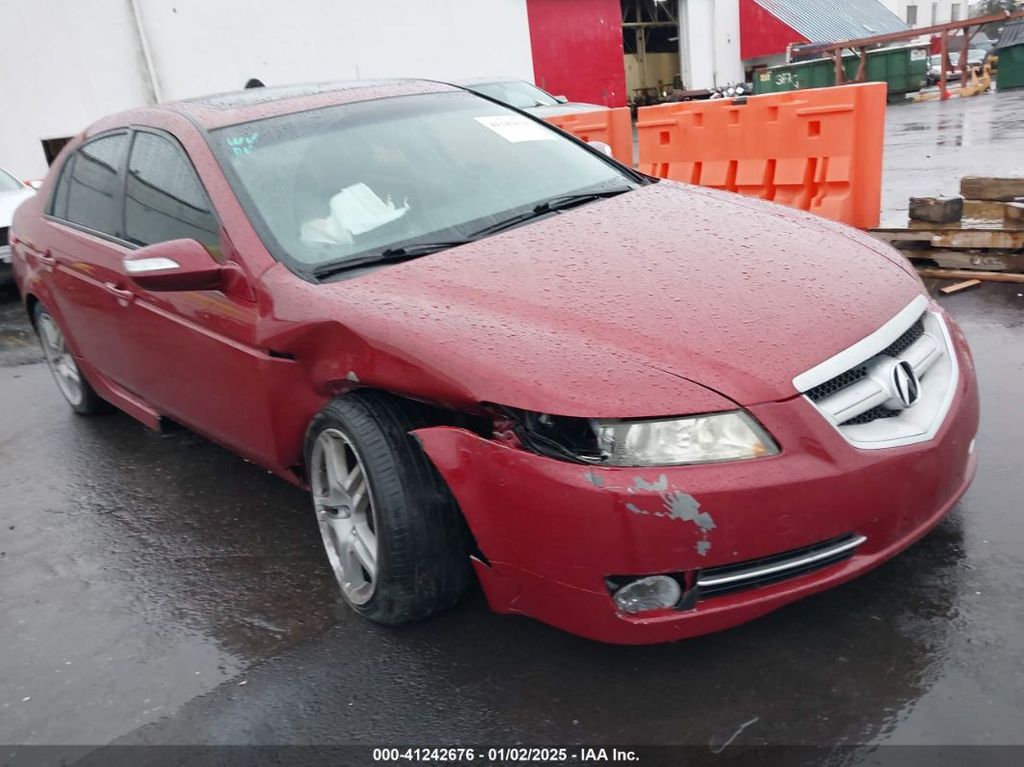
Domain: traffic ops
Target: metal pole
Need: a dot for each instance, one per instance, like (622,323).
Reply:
(714,47)
(943,63)
(862,66)
(682,13)
(147,58)
(685,69)
(837,61)
(963,58)
(641,47)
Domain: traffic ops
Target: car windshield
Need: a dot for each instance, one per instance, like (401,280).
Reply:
(517,93)
(9,183)
(349,181)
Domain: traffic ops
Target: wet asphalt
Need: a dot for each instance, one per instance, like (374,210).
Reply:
(156,589)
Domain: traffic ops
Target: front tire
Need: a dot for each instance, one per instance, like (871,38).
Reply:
(72,384)
(394,537)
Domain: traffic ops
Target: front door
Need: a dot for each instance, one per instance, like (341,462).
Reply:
(195,358)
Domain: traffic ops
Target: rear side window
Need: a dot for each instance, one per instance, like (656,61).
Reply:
(164,198)
(92,195)
(59,206)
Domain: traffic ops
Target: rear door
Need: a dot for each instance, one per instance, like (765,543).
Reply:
(194,352)
(83,250)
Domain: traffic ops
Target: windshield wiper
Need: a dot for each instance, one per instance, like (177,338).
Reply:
(560,202)
(563,201)
(387,256)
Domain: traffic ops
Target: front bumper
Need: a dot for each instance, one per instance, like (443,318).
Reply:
(551,532)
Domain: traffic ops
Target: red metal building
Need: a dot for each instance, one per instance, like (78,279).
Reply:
(761,33)
(767,27)
(577,49)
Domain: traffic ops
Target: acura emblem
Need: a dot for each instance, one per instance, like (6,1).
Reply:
(905,384)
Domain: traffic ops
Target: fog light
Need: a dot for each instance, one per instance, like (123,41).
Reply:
(655,592)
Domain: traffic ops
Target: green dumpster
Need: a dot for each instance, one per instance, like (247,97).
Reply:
(817,73)
(903,68)
(1010,49)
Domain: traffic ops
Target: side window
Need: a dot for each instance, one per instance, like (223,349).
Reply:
(164,199)
(59,203)
(91,198)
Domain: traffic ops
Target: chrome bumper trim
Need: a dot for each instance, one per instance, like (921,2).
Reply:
(779,567)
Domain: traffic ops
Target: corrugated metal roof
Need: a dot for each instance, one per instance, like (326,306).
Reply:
(1012,34)
(826,21)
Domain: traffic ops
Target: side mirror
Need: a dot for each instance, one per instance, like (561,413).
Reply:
(561,99)
(601,147)
(174,265)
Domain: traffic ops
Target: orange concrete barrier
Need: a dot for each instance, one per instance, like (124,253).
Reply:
(819,149)
(612,126)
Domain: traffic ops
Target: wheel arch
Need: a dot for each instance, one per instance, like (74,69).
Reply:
(31,301)
(435,414)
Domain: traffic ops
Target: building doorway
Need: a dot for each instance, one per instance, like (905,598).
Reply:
(52,147)
(650,39)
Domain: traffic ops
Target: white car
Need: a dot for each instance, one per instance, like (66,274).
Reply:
(12,193)
(527,96)
(975,60)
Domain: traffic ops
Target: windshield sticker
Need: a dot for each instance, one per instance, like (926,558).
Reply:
(242,144)
(516,128)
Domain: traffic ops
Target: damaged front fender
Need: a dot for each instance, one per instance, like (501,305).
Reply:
(565,522)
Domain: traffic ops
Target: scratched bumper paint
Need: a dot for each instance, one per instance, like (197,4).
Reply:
(551,531)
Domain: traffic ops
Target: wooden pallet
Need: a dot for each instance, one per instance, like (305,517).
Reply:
(985,238)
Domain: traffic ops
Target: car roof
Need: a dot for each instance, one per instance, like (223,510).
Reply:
(234,107)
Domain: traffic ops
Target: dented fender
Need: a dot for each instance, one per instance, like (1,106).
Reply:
(568,522)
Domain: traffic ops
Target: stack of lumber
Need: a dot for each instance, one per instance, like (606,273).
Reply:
(980,231)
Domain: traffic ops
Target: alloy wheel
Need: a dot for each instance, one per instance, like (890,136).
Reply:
(59,359)
(345,514)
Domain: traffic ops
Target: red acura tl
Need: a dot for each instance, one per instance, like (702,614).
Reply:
(635,410)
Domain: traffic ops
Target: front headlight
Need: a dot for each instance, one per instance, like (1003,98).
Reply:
(731,436)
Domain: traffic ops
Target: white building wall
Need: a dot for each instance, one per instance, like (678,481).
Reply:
(66,63)
(204,46)
(63,64)
(709,42)
(928,12)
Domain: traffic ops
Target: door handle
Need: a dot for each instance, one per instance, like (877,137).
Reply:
(121,294)
(46,260)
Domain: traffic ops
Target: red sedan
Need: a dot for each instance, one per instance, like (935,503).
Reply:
(635,410)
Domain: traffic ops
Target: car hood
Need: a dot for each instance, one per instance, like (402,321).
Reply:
(613,307)
(9,201)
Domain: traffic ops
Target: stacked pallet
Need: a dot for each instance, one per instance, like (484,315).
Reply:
(979,234)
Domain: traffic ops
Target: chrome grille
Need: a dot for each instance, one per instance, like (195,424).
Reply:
(841,381)
(871,415)
(905,341)
(851,376)
(857,390)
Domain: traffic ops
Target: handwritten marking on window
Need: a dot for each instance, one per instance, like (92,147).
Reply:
(242,144)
